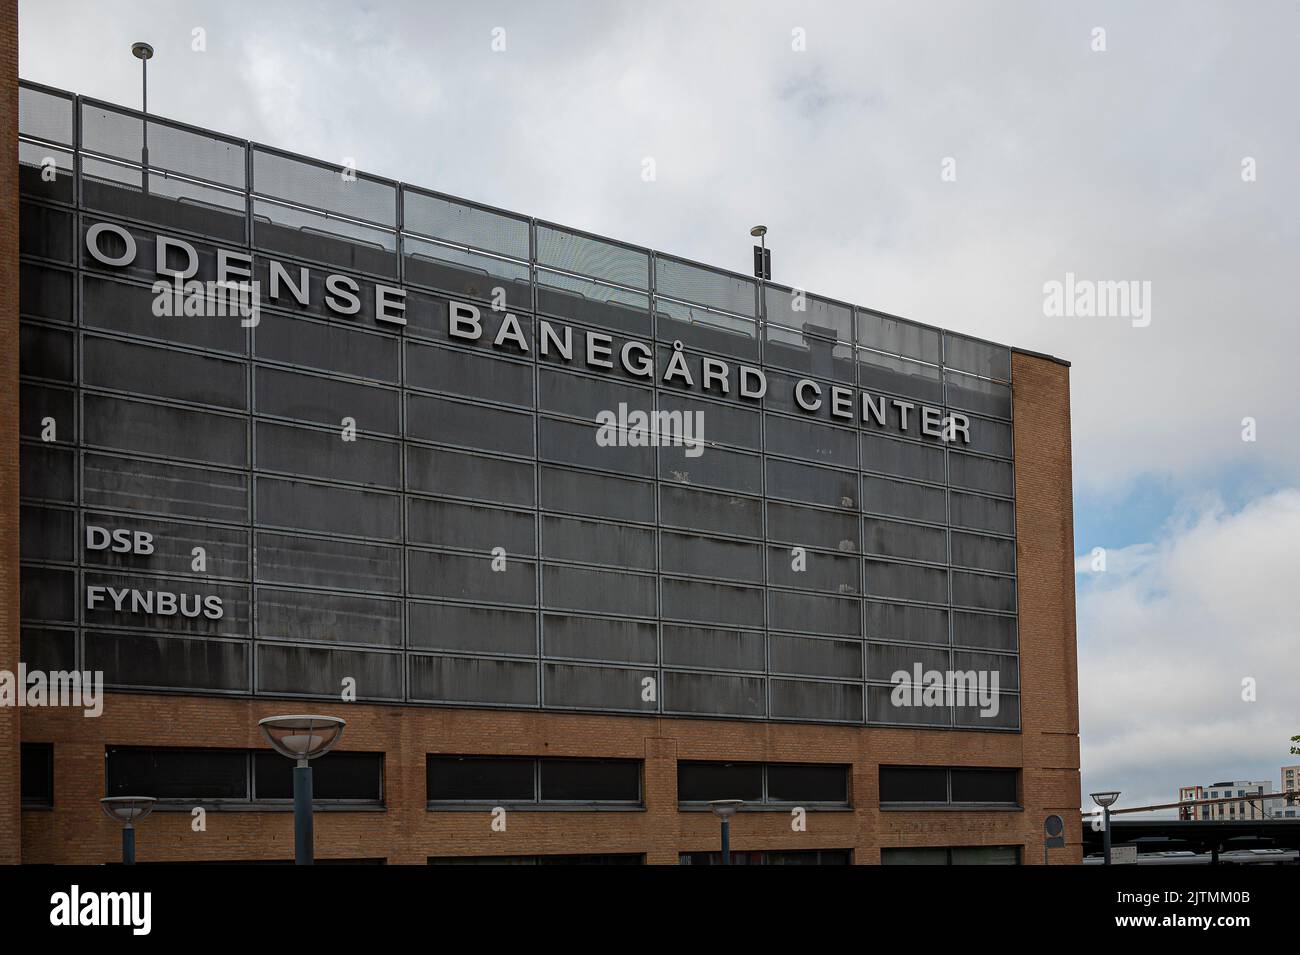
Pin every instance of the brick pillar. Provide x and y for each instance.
(661, 800)
(10, 814)
(1049, 706)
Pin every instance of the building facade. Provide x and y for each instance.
(577, 536)
(1265, 804)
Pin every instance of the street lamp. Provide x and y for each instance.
(302, 739)
(1105, 800)
(724, 809)
(127, 810)
(144, 53)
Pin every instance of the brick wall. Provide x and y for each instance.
(9, 718)
(1049, 705)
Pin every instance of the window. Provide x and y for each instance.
(336, 777)
(608, 858)
(239, 775)
(956, 855)
(524, 779)
(777, 857)
(932, 786)
(763, 783)
(37, 773)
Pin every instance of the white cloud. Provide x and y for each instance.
(1170, 639)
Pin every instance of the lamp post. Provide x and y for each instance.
(127, 810)
(144, 53)
(724, 809)
(1105, 800)
(302, 739)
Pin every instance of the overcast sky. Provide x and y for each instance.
(1169, 157)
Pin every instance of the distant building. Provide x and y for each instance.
(1291, 779)
(1256, 799)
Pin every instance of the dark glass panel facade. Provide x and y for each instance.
(434, 517)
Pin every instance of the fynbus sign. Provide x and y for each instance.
(113, 246)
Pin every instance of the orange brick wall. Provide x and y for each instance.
(408, 833)
(10, 845)
(1049, 706)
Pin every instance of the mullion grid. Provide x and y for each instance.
(250, 524)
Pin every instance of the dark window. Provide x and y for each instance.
(352, 777)
(807, 783)
(471, 778)
(913, 784)
(701, 782)
(199, 774)
(522, 779)
(984, 785)
(956, 855)
(37, 773)
(934, 785)
(786, 857)
(592, 859)
(591, 780)
(203, 775)
(761, 783)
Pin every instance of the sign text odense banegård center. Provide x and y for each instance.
(342, 293)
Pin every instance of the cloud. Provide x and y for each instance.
(1172, 629)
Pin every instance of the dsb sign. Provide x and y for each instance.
(118, 540)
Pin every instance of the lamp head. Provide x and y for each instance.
(302, 738)
(127, 809)
(1105, 799)
(758, 230)
(725, 808)
(141, 50)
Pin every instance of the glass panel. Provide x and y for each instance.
(693, 283)
(315, 617)
(713, 649)
(804, 699)
(472, 629)
(589, 256)
(717, 694)
(913, 784)
(984, 785)
(315, 184)
(597, 688)
(317, 237)
(473, 778)
(600, 638)
(177, 773)
(798, 783)
(590, 780)
(703, 782)
(977, 357)
(812, 656)
(441, 217)
(45, 115)
(143, 660)
(466, 680)
(320, 672)
(897, 336)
